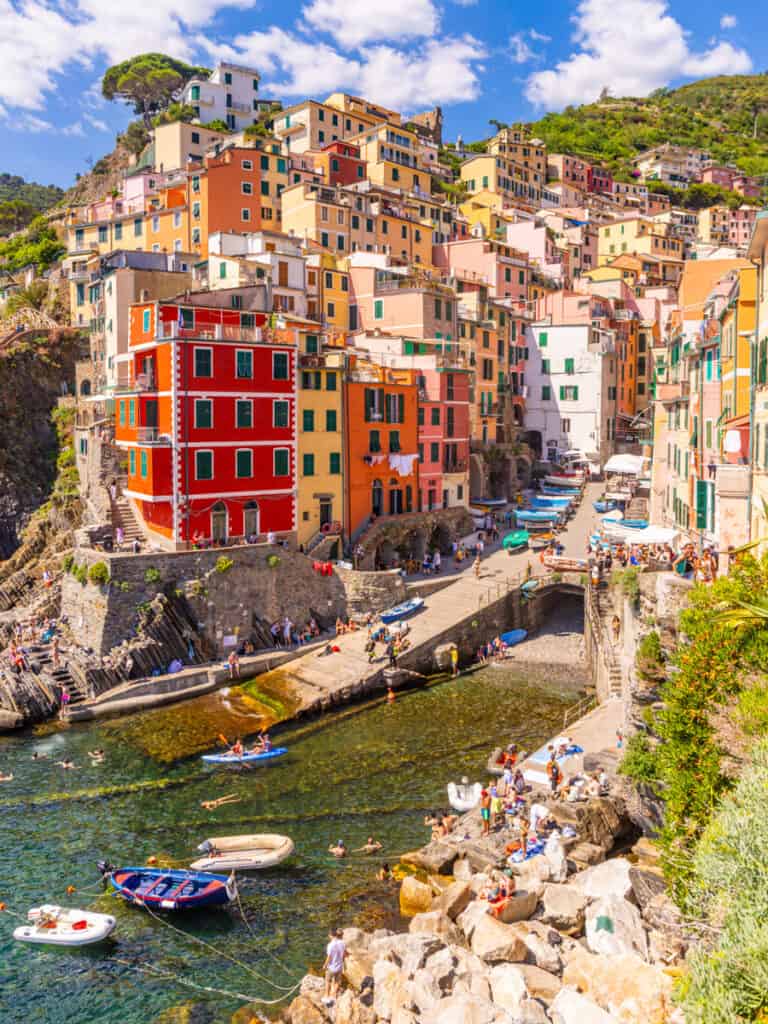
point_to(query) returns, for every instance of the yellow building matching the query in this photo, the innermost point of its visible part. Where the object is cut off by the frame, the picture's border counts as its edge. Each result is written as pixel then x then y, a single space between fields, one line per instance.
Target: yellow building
pixel 485 208
pixel 328 291
pixel 530 153
pixel 320 434
pixel 714 224
pixel 175 145
pixel 393 159
pixel 312 125
pixel 487 173
pixel 639 236
pixel 737 335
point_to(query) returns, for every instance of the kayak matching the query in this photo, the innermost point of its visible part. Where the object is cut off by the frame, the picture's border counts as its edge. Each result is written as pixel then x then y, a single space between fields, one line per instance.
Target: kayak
pixel 245 758
pixel 171 889
pixel 243 853
pixel 514 636
pixel 402 611
pixel 64 926
pixel 516 539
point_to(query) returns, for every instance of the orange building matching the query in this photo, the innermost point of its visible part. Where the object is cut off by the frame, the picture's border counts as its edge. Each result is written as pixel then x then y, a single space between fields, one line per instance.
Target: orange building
pixel 381 414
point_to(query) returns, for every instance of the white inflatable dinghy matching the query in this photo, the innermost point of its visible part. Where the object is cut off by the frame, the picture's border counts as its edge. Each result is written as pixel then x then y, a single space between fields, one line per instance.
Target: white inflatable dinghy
pixel 243 853
pixel 64 926
pixel 465 796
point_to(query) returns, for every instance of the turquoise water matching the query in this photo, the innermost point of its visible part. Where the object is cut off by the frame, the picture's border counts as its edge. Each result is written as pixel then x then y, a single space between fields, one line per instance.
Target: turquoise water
pixel 372 770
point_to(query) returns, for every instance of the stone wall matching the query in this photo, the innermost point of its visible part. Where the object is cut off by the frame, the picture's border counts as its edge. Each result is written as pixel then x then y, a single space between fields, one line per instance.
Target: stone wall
pixel 226 603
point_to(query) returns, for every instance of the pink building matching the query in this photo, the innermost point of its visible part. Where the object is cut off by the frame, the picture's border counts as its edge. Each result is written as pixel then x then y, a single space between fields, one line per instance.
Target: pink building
pixel 568 169
pixel 443 437
pixel 750 188
pixel 599 179
pixel 741 223
pixel 505 270
pixel 402 302
pixel 719 174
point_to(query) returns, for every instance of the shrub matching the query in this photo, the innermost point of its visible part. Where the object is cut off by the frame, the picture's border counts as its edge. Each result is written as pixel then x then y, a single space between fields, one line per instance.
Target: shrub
pixel 152 575
pixel 66 457
pixel 639 761
pixel 650 657
pixel 223 564
pixel 629 582
pixel 80 572
pixel 99 573
pixel 273 561
pixel 752 709
pixel 67 562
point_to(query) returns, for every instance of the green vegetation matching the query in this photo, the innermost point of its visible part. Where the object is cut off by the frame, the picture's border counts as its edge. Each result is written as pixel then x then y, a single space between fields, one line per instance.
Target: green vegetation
pixel 639 762
pixel 37 246
pixel 99 573
pixel 152 575
pixel 21 201
pixel 149 82
pixel 628 580
pixel 273 561
pixel 67 562
pixel 174 112
pixel 66 487
pixel 223 564
pixel 650 657
pixel 135 137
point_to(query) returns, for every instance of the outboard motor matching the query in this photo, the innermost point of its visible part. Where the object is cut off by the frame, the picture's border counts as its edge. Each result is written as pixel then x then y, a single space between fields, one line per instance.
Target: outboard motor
pixel 105 868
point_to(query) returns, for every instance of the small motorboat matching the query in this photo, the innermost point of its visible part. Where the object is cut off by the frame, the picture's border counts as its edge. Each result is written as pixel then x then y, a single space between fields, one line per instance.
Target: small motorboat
pixel 64 926
pixel 540 541
pixel 514 637
pixel 229 758
pixel 551 501
pixel 173 889
pixel 537 516
pixel 558 563
pixel 242 853
pixel 516 541
pixel 635 524
pixel 402 611
pixel 464 796
pixel 604 506
pixel 571 482
pixel 560 489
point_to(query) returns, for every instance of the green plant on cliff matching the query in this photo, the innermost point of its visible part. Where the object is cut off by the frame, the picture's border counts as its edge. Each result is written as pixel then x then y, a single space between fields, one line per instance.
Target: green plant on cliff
pixel 67 562
pixel 273 561
pixel 80 572
pixel 650 657
pixel 223 564
pixel 99 573
pixel 639 762
pixel 152 575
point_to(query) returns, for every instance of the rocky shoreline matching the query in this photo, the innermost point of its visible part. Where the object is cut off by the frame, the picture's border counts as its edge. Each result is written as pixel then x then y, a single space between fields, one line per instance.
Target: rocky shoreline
pixel 589 935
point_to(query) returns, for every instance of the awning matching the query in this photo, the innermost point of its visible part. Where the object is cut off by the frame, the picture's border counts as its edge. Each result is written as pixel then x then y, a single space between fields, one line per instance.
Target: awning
pixel 650 535
pixel 631 465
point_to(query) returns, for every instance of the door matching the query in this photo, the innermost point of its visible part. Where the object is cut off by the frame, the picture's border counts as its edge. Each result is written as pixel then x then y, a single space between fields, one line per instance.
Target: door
pixel 150 412
pixel 377 498
pixel 326 512
pixel 219 522
pixel 251 520
pixel 395 501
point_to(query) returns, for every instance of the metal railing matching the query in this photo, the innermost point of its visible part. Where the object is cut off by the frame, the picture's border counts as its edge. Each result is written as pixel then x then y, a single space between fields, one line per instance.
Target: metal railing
pixel 579 709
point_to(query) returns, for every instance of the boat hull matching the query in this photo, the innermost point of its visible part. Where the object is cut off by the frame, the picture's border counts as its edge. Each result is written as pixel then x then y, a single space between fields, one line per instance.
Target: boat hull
pixel 243 853
pixel 514 637
pixel 464 798
pixel 172 889
pixel 65 927
pixel 236 759
pixel 402 611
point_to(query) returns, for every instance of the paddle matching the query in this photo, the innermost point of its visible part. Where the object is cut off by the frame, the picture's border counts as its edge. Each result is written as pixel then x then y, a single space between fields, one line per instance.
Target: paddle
pixel 226 743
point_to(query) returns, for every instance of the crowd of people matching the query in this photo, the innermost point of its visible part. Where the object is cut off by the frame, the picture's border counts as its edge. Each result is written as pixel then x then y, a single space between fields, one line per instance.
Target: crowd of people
pixel 701 567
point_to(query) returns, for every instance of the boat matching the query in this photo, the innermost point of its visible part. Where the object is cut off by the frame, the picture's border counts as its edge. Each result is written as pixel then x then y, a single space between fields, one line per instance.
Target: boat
pixel 552 501
pixel 243 853
pixel 540 541
pixel 487 503
pixel 402 611
pixel 635 524
pixel 64 926
pixel 604 506
pixel 561 490
pixel 173 889
pixel 465 796
pixel 513 637
pixel 516 541
pixel 573 483
pixel 529 586
pixel 537 516
pixel 230 758
pixel 560 564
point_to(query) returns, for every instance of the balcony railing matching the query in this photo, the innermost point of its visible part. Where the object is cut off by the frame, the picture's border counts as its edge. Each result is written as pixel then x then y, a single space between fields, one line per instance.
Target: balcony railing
pixel 141 382
pixel 151 435
pixel 216 332
pixel 454 466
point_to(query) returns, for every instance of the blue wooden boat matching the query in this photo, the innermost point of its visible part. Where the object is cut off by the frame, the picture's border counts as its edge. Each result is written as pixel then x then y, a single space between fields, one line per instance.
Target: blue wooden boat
pixel 570 492
pixel 551 501
pixel 514 636
pixel 537 516
pixel 402 611
pixel 634 524
pixel 230 758
pixel 516 540
pixel 604 506
pixel 173 889
pixel 529 586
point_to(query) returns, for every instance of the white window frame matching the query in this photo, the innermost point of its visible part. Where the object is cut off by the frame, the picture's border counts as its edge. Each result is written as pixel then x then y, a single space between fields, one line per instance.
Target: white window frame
pixel 194 419
pixel 247 165
pixel 288 358
pixel 206 451
pixel 155 224
pixel 245 214
pixel 246 188
pixel 177 245
pixel 248 401
pixel 176 219
pixel 238 451
pixel 248 351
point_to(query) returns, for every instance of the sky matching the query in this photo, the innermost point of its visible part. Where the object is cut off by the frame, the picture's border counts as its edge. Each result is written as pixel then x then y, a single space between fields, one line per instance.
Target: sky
pixel 478 59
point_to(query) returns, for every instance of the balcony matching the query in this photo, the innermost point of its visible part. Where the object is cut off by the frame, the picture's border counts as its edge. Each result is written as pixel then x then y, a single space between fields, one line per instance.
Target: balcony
pixel 151 435
pixel 671 391
pixel 217 332
pixel 455 465
pixel 141 382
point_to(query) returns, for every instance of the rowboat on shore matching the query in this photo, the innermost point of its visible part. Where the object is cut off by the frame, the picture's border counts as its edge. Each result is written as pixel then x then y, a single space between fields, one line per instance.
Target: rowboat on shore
pixel 229 758
pixel 517 540
pixel 51 925
pixel 514 637
pixel 243 853
pixel 560 490
pixel 556 480
pixel 402 611
pixel 537 516
pixel 172 889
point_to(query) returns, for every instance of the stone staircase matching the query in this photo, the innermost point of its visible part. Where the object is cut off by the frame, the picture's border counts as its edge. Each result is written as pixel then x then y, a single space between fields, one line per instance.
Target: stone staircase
pixel 605 615
pixel 41 658
pixel 123 516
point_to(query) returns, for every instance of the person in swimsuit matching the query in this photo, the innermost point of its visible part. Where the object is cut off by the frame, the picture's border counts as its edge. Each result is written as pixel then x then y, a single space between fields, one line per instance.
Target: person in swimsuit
pixel 485 811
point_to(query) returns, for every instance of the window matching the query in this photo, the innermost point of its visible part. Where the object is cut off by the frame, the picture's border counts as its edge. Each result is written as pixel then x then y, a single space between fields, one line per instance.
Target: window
pixel 308 464
pixel 280 413
pixel 118 232
pixel 146 320
pixel 103 234
pixel 132 413
pixel 378 309
pixel 330 420
pixel 312 344
pixel 545 366
pixel 247 165
pixel 334 463
pixel 282 464
pixel 244 463
pixel 436 416
pixel 247 188
pixel 279 366
pixel 203 465
pixel 569 394
pixel 434 451
pixel 394 440
pixel 227 78
pixel 203 362
pixel 308 420
pixel 243 413
pixel 438 309
pixel 203 413
pixel 546 393
pixel 339 241
pixel 324 239
pixel 565 426
pixel 196 183
pixel 543 339
pixel 569 366
pixel 244 364
pixel 265 188
pixel 374 441
pixel 330 382
pixel 143 470
pixel 194 93
pixel 245 214
pixel 131 460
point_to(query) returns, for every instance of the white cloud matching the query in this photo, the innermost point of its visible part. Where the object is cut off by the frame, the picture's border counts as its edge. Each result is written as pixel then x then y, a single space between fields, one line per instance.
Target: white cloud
pixel 630 47
pixel 539 36
pixel 74 129
pixel 354 22
pixel 96 122
pixel 728 21
pixel 519 50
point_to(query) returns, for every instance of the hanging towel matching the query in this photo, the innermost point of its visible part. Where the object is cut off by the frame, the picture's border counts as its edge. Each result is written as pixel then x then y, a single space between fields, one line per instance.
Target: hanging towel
pixel 402 464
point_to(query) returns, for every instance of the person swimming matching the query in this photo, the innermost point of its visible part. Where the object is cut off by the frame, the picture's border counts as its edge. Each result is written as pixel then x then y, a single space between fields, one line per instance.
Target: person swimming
pixel 211 805
pixel 97 756
pixel 371 846
pixel 66 764
pixel 237 748
pixel 384 874
pixel 339 850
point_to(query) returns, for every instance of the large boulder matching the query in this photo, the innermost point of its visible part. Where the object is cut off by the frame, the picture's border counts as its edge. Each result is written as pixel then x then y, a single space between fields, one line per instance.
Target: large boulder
pixel 349 1010
pixel 531 873
pixel 462 869
pixel 493 941
pixel 635 992
pixel 540 984
pixel 520 906
pixel 647 852
pixel 614 926
pixel 554 854
pixel 387 988
pixel 422 992
pixel 436 923
pixel 584 855
pixel 436 858
pixel 508 988
pixel 563 907
pixel 542 945
pixel 461 1009
pixel 303 1011
pixel 570 1007
pixel 358 966
pixel 355 938
pixel 469 919
pixel 415 896
pixel 454 900
pixel 408 952
pixel 646 884
pixel 609 879
pixel 443 968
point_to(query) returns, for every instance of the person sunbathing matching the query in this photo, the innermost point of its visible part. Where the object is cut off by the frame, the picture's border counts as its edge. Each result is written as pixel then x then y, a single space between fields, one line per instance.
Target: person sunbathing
pixel 211 805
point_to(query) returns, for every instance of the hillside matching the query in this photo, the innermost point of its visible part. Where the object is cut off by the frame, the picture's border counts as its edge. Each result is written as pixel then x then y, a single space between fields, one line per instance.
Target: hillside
pixel 42 197
pixel 717 114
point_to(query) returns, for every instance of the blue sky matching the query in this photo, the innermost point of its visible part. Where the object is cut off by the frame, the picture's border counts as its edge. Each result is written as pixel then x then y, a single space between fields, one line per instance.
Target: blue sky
pixel 478 59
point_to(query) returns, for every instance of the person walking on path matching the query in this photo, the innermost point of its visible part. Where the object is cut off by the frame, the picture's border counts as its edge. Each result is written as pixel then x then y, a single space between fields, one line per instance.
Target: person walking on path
pixel 477 567
pixel 616 628
pixel 335 954
pixel 234 665
pixel 391 654
pixel 454 660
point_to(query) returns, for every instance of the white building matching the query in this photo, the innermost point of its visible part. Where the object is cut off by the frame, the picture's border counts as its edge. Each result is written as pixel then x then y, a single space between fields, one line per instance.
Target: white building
pixel 231 95
pixel 570 382
pixel 268 257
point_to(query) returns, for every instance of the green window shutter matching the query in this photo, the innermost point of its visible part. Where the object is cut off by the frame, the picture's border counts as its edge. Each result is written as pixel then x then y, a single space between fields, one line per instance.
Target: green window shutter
pixel 308 420
pixel 244 414
pixel 335 463
pixel 280 366
pixel 308 465
pixel 330 420
pixel 543 337
pixel 569 366
pixel 374 441
pixel 330 381
pixel 281 414
pixel 702 494
pixel 394 441
pixel 378 309
pixel 244 364
pixel 282 462
pixel 368 403
pixel 244 464
pixel 203 413
pixel 204 465
pixel 122 413
pixel 575 394
pixel 203 362
pixel 132 413
pixel 264 163
pixel 143 462
pixel 132 461
pixel 546 393
pixel 401 408
pixel 545 366
pixel 312 346
pixel 562 393
pixel 222 270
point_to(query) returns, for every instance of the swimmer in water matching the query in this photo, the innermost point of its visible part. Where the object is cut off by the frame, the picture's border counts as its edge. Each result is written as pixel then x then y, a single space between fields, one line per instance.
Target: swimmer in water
pixel 6 778
pixel 67 765
pixel 339 850
pixel 371 846
pixel 211 805
pixel 97 756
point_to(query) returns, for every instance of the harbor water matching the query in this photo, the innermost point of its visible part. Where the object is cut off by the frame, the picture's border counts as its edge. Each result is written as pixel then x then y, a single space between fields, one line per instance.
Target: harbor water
pixel 372 769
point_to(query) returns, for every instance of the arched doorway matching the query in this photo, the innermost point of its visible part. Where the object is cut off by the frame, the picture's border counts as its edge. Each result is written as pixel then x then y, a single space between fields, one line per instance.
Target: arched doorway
pixel 219 528
pixel 251 519
pixel 85 387
pixel 377 498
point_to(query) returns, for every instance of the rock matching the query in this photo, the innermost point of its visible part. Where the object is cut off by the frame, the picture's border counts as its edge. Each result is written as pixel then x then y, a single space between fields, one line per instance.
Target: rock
pixel 563 907
pixel 454 900
pixel 349 1010
pixel 614 926
pixel 569 1007
pixel 436 923
pixel 623 985
pixel 408 952
pixel 442 967
pixel 609 879
pixel 647 853
pixel 355 938
pixel 531 872
pixel 661 913
pixel 415 896
pixel 554 854
pixel 508 988
pixel 520 906
pixel 422 992
pixel 439 883
pixel 532 1012
pixel 480 857
pixel 461 1009
pixel 402 1016
pixel 540 984
pixel 646 883
pixel 462 869
pixel 303 1011
pixel 436 858
pixel 468 920
pixel 313 987
pixel 493 941
pixel 542 945
pixel 387 989
pixel 599 820
pixel 584 855
pixel 357 967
